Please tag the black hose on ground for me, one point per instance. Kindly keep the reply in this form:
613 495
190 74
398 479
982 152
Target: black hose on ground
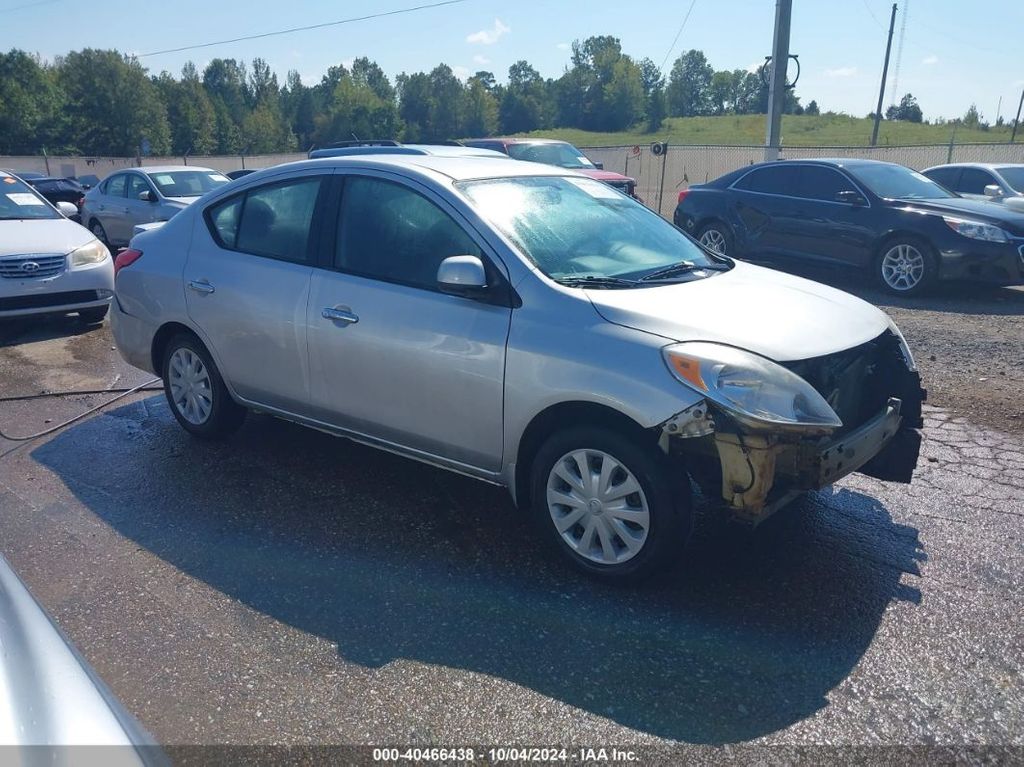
124 392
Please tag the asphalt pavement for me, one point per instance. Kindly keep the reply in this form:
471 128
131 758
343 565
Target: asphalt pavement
288 587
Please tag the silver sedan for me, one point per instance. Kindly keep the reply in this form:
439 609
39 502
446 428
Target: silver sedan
527 326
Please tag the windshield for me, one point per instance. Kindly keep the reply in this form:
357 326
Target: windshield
897 182
581 228
1014 176
19 201
187 183
558 153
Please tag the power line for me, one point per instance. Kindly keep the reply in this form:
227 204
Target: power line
28 5
872 14
307 28
676 38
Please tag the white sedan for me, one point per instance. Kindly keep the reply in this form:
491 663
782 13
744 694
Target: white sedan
48 264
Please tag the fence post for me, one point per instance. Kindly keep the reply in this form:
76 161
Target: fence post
661 186
243 160
46 159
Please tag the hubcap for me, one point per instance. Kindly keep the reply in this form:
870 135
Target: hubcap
598 507
191 391
903 267
714 240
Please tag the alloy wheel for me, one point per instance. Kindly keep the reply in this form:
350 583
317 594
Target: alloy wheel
191 389
598 507
903 267
713 240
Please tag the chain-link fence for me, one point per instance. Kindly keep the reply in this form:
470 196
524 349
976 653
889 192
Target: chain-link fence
659 178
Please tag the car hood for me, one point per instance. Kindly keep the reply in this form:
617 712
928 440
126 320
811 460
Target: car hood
603 175
51 235
770 313
984 210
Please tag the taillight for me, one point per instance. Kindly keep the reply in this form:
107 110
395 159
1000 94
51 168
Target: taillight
682 195
80 201
126 258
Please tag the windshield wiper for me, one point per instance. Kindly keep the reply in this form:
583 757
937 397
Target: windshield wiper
594 281
683 267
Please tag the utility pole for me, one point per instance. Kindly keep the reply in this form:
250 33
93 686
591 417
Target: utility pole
1016 122
777 84
885 73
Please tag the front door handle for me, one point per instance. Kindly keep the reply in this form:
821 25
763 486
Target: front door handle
201 287
341 315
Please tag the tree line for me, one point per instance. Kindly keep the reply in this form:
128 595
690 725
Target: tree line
104 102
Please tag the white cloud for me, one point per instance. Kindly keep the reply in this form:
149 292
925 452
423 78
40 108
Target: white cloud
478 59
753 68
489 36
462 73
563 46
841 72
347 63
929 60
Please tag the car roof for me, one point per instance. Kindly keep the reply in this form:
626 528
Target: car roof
982 165
172 168
522 140
456 168
441 150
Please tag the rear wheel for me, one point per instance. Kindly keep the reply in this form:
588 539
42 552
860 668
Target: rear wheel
93 316
906 266
717 238
610 503
196 392
99 232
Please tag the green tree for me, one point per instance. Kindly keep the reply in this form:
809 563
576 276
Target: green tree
31 106
812 108
190 114
415 105
524 104
689 85
112 106
297 107
623 96
481 108
722 95
357 109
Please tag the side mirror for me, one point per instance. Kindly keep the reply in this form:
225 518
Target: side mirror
462 276
147 196
994 191
599 165
67 209
851 197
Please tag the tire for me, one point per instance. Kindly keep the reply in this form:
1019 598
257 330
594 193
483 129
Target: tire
196 392
99 232
717 237
906 266
93 316
663 491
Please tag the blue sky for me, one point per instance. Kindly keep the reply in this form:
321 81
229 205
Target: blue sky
955 52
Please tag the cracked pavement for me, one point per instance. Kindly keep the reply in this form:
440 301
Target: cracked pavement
289 587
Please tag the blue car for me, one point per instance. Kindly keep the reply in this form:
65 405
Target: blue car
904 229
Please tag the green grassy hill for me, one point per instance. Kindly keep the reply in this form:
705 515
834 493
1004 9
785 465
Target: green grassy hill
797 130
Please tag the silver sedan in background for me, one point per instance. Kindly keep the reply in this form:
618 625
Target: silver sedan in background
135 196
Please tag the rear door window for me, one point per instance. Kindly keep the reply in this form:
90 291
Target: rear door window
947 177
775 179
115 186
275 221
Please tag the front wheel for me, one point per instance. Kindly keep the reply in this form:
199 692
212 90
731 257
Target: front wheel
196 392
906 266
100 233
611 503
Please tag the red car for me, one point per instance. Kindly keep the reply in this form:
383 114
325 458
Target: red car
553 152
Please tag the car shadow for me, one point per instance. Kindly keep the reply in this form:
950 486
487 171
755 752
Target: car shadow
44 327
955 297
392 559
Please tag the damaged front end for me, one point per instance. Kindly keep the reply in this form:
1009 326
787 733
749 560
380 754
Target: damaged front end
759 444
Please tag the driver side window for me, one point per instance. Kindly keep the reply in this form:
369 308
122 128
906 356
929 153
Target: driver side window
389 232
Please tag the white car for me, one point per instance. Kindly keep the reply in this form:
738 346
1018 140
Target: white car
48 264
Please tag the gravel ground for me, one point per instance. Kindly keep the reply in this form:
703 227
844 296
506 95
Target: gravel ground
288 587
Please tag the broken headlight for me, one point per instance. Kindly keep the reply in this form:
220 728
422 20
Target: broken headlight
749 386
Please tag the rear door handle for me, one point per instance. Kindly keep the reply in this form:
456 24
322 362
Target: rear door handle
341 315
201 287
